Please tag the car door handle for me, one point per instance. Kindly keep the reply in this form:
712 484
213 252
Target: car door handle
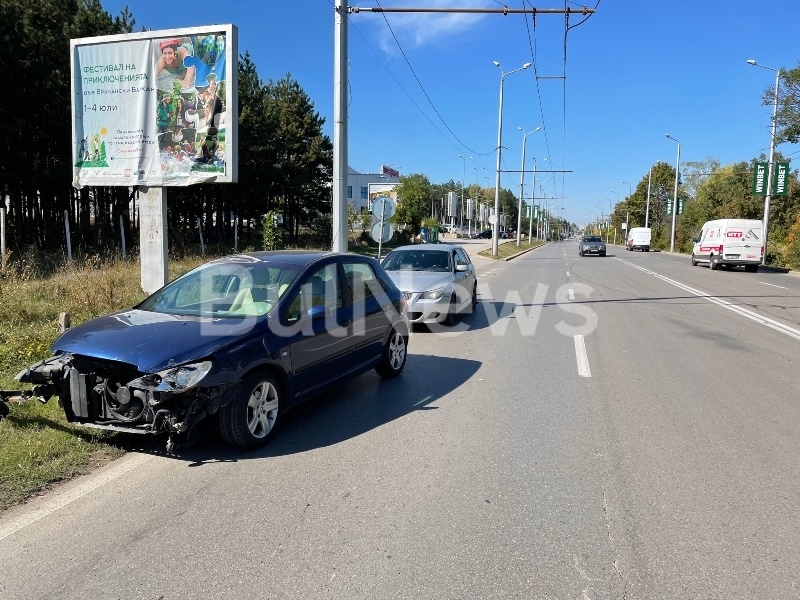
344 322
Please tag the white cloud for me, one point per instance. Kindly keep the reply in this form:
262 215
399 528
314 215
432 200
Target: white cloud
424 29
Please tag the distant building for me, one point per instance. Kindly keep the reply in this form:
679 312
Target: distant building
358 185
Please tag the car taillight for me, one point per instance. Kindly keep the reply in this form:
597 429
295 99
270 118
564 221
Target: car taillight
762 251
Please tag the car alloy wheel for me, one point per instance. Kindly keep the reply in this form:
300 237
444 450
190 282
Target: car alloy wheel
393 359
248 419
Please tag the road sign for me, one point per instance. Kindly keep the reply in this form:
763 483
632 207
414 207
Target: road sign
492 219
381 232
383 208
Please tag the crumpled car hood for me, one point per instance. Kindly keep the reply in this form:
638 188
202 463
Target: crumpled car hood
153 341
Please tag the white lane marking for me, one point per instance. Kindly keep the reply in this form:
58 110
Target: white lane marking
784 329
773 285
61 498
572 294
583 359
567 273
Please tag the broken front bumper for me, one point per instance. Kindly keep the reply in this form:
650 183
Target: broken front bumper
105 394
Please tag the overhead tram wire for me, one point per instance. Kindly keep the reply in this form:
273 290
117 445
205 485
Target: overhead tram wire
505 11
532 46
389 71
421 87
567 28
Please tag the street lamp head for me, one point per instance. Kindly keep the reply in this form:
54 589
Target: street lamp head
752 62
496 64
526 65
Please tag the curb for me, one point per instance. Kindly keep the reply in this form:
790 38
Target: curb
513 256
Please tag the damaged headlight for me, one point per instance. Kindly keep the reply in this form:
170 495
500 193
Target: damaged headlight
175 379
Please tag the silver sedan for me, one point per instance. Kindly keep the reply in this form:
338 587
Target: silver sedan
437 280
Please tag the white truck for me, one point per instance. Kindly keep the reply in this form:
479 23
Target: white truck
730 243
638 239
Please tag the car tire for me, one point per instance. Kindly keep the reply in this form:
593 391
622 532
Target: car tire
751 268
713 263
694 262
474 302
393 359
452 315
249 419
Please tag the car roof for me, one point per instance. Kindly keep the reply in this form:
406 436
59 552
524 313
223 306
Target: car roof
443 247
293 257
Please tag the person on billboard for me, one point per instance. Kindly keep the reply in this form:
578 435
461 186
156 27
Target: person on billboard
211 102
164 112
173 55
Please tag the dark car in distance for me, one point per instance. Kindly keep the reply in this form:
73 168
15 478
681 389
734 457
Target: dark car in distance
486 234
592 244
246 336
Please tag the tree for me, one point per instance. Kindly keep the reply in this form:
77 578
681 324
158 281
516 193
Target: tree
413 201
788 116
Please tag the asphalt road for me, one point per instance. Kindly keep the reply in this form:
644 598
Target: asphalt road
618 427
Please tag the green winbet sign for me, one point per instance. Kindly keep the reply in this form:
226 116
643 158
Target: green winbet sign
780 179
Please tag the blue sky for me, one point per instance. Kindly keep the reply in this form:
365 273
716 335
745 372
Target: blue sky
635 70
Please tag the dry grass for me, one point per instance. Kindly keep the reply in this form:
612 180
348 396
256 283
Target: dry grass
37 446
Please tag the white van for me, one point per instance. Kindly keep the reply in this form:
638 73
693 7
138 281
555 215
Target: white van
638 239
730 243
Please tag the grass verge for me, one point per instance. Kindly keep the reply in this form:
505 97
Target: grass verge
37 445
510 248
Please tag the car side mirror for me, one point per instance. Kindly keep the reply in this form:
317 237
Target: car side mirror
318 312
462 268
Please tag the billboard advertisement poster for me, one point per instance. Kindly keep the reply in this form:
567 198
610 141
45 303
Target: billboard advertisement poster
377 190
155 108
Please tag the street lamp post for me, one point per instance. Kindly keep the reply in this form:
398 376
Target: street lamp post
627 212
463 183
521 184
496 224
476 204
539 228
647 211
675 195
770 169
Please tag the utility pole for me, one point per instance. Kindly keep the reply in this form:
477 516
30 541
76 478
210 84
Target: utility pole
647 212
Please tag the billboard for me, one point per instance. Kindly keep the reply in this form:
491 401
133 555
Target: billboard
379 190
155 108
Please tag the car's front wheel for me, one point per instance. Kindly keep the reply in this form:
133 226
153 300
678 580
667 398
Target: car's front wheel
248 420
393 359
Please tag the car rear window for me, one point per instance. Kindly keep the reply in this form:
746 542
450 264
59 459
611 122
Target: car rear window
592 238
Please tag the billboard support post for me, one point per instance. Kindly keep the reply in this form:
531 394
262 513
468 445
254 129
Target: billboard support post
153 240
155 109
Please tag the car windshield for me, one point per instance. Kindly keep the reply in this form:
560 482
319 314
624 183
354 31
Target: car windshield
225 290
592 238
418 260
